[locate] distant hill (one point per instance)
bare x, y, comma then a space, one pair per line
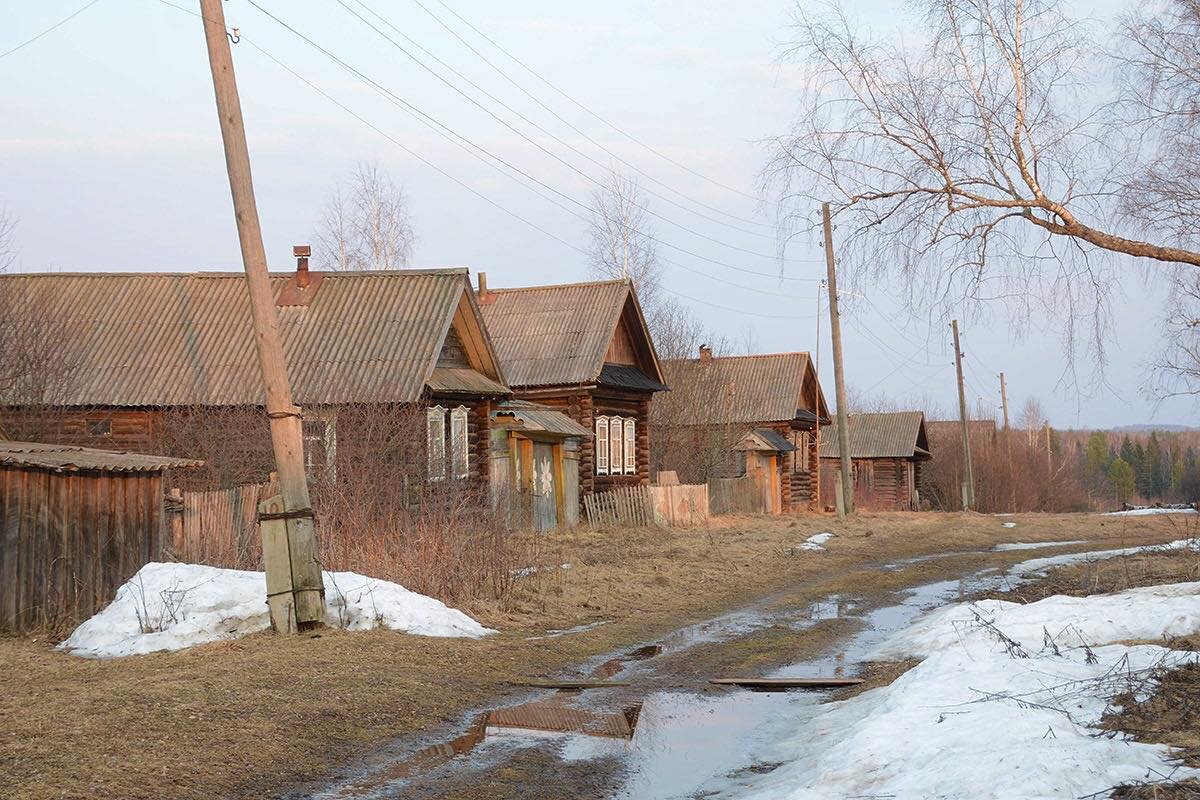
1147, 427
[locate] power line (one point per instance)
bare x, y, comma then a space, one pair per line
459, 182
447, 132
573, 127
545, 149
51, 29
576, 102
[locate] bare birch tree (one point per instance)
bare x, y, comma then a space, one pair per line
1159, 110
972, 166
366, 224
620, 243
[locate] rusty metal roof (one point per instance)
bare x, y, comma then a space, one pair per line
153, 339
899, 434
735, 389
526, 416
554, 335
67, 458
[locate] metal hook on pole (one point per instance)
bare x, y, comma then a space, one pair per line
234, 37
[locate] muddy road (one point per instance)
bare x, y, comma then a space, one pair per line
659, 729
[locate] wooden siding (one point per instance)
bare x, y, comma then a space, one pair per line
69, 540
880, 484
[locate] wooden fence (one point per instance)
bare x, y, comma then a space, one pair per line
219, 527
625, 505
742, 495
680, 506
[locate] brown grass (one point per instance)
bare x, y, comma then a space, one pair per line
244, 718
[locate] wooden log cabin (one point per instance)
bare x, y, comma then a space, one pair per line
728, 402
165, 364
887, 452
584, 349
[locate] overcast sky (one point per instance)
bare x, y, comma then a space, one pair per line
110, 159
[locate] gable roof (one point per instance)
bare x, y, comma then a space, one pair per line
153, 339
559, 335
756, 388
765, 440
899, 434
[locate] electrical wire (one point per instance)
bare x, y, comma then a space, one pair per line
472, 190
483, 153
586, 176
575, 129
51, 29
592, 113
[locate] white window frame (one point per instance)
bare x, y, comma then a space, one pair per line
630, 446
435, 435
616, 445
601, 445
460, 443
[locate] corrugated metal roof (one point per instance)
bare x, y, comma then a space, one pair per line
535, 417
154, 339
551, 335
733, 389
765, 440
626, 377
463, 381
891, 435
67, 458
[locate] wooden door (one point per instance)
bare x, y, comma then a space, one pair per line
545, 504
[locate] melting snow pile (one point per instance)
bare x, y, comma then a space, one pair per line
1003, 705
816, 542
173, 606
1036, 545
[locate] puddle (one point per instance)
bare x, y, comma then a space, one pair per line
1035, 545
554, 634
665, 743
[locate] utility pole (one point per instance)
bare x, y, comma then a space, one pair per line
817, 429
295, 590
1012, 486
1049, 460
968, 487
839, 379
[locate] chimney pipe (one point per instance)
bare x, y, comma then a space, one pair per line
302, 253
482, 284
705, 353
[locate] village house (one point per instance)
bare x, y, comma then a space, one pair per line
765, 410
887, 453
584, 349
163, 363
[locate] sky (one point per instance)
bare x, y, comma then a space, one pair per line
111, 159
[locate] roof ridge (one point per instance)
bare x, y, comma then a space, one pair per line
611, 281
238, 273
746, 355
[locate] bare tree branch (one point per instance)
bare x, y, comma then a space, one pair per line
367, 225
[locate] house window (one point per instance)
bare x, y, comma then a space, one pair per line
630, 447
459, 450
602, 445
100, 427
616, 446
616, 438
436, 440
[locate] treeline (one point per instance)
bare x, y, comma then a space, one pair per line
1043, 469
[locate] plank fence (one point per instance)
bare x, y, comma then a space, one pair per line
742, 495
625, 505
219, 527
680, 505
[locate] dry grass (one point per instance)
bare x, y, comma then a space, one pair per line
246, 717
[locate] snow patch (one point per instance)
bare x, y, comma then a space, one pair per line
1036, 565
816, 542
174, 606
1142, 512
989, 717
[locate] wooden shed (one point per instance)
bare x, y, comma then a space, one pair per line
886, 454
75, 523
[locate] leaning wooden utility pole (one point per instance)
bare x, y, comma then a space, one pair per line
968, 487
839, 379
295, 590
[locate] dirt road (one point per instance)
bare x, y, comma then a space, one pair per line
267, 716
